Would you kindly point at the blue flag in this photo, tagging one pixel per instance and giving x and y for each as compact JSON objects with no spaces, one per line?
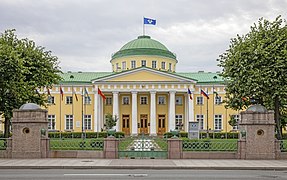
{"x":149,"y":21}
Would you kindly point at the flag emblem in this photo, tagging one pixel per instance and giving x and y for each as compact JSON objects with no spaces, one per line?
{"x":149,"y":21}
{"x":62,"y":93}
{"x":101,"y":93}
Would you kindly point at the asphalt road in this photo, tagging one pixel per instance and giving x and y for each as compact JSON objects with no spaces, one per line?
{"x":104,"y":174}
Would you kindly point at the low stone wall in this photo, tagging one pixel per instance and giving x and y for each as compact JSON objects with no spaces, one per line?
{"x":77,"y":154}
{"x":208,"y":155}
{"x":282,"y":156}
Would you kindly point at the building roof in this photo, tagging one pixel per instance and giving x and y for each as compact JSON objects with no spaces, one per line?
{"x":144,"y":45}
{"x":87,"y":77}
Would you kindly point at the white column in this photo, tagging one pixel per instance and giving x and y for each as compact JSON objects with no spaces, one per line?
{"x":96,"y":111}
{"x":116,"y":109}
{"x":134,"y":113}
{"x":101,"y":113}
{"x":153,"y":113}
{"x":171,"y":110}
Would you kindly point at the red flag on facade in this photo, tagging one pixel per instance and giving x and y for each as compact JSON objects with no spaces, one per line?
{"x":48,"y":91}
{"x":204,"y":93}
{"x":62,"y":93}
{"x":100,"y":93}
{"x":189,"y":93}
{"x":74,"y":92}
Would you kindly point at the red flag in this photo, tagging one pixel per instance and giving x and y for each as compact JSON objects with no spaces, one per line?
{"x":204,"y":94}
{"x":100,"y":93}
{"x":49,"y":93}
{"x":62,"y":93}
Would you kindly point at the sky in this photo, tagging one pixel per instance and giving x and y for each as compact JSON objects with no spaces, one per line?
{"x":83,"y":34}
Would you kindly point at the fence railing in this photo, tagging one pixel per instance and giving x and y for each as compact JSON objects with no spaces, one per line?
{"x":283,"y":145}
{"x":77,"y":144}
{"x":188,"y":145}
{"x":3,"y":143}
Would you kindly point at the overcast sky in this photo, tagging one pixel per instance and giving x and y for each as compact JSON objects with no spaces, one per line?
{"x":84,"y":33}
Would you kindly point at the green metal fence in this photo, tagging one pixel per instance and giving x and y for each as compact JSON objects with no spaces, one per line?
{"x":188,"y":145}
{"x":283,"y":145}
{"x":3,"y":143}
{"x":77,"y":144}
{"x":143,"y":147}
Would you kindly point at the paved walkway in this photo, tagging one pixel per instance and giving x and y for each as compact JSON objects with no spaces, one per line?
{"x":54,"y":163}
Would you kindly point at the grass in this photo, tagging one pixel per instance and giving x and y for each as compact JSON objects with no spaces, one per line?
{"x":124,"y":143}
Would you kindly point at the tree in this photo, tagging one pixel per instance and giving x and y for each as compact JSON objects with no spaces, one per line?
{"x":255,"y":66}
{"x":111,"y":121}
{"x":24,"y":68}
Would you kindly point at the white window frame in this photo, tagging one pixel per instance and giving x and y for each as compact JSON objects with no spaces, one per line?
{"x":51,"y":100}
{"x":88,"y":122}
{"x":169,"y":66}
{"x":200,"y":120}
{"x":199,"y":100}
{"x":143,"y":100}
{"x":236,"y":117}
{"x":87,"y":100}
{"x":217,"y":100}
{"x":161,"y":100}
{"x":143,"y":62}
{"x":124,"y":65}
{"x":178,"y":100}
{"x":179,"y":122}
{"x":51,"y":121}
{"x":69,"y":122}
{"x":126,"y":100}
{"x":218,"y":122}
{"x":109,"y":101}
{"x":153,"y":64}
{"x":69,"y":99}
{"x":163,"y":65}
{"x":133,"y":64}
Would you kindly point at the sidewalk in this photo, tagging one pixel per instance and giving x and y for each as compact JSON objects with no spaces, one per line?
{"x":143,"y":164}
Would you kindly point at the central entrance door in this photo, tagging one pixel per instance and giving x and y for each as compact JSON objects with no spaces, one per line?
{"x":143,"y":124}
{"x":161,"y":124}
{"x":126,"y":124}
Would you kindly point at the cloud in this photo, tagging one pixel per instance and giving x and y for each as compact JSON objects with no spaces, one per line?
{"x":84,"y":34}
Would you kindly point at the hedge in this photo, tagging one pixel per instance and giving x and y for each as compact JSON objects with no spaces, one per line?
{"x":79,"y":134}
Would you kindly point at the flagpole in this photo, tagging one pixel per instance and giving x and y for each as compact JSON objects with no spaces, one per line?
{"x":60,"y":113}
{"x":143,"y":27}
{"x":213,"y":113}
{"x":82,"y":113}
{"x":207,"y":116}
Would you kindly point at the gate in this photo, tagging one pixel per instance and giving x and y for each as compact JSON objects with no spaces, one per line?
{"x":143,"y":147}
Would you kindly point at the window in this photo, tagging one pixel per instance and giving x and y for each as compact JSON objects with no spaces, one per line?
{"x":143,"y":62}
{"x":199,"y":100}
{"x":51,"y":122}
{"x":109,"y":100}
{"x":126,"y":100}
{"x":124,"y":65}
{"x":169,"y":66}
{"x":153,"y":64}
{"x":199,"y":119}
{"x":88,"y":100}
{"x":69,"y":122}
{"x":69,"y":99}
{"x":178,"y":100}
{"x":217,"y":122}
{"x":178,"y":122}
{"x":162,"y":65}
{"x":117,"y":66}
{"x":236,"y":118}
{"x":161,"y":100}
{"x":143,"y":100}
{"x":217,"y":99}
{"x":87,"y":122}
{"x":51,"y":100}
{"x":133,"y":64}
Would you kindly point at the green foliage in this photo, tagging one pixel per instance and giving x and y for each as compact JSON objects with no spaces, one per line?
{"x":24,"y":67}
{"x":79,"y":134}
{"x":232,"y":121}
{"x":254,"y":67}
{"x":111,"y":121}
{"x":181,"y":134}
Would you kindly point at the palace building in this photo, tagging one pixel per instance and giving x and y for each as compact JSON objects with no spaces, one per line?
{"x":143,"y":91}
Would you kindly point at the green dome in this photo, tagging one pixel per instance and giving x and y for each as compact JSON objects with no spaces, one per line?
{"x":144,"y":45}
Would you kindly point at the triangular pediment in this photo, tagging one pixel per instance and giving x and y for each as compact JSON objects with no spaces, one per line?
{"x":144,"y":75}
